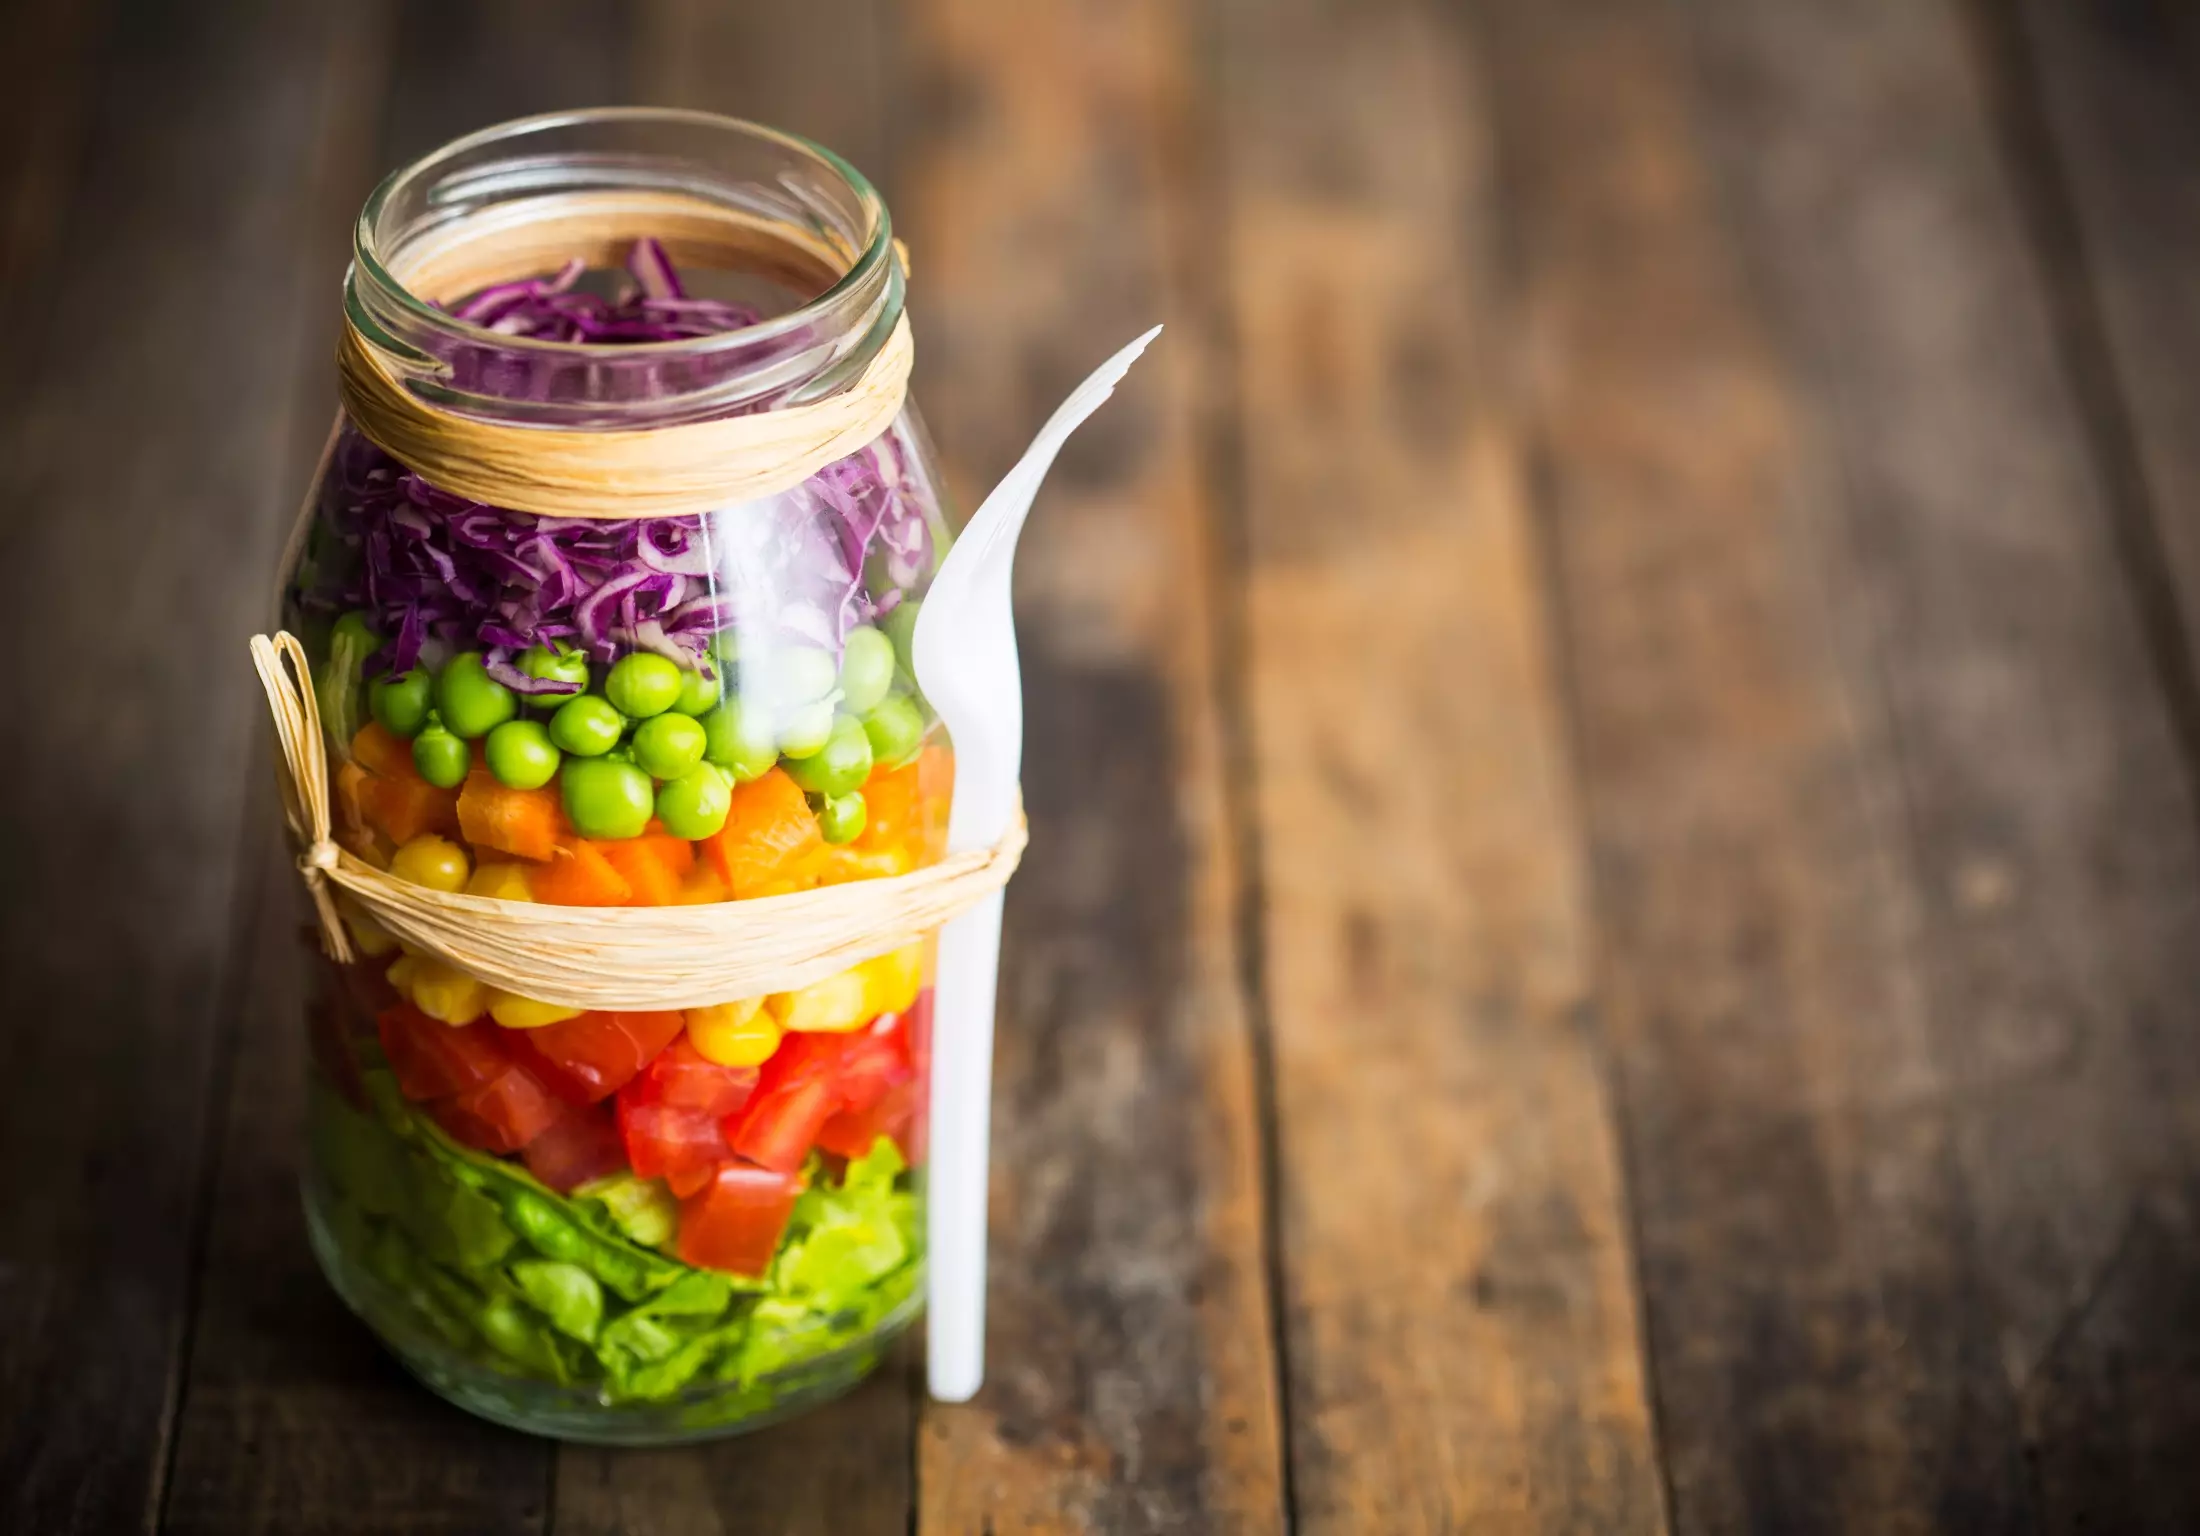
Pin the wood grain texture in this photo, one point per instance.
(1044, 186)
(1461, 1334)
(43, 122)
(1800, 1228)
(2104, 109)
(141, 459)
(1893, 845)
(2049, 814)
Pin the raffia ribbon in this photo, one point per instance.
(667, 471)
(623, 957)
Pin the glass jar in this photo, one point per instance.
(646, 1226)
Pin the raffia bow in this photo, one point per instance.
(582, 957)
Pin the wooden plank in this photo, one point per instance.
(2050, 812)
(1045, 190)
(1461, 1331)
(1795, 1204)
(293, 1417)
(144, 434)
(42, 121)
(2102, 119)
(1895, 871)
(2100, 127)
(843, 1469)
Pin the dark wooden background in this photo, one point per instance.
(1613, 936)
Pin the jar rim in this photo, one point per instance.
(875, 252)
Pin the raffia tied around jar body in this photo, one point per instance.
(677, 957)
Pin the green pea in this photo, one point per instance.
(797, 674)
(841, 817)
(471, 702)
(896, 729)
(339, 682)
(587, 726)
(441, 757)
(354, 634)
(740, 740)
(866, 668)
(401, 703)
(698, 694)
(521, 754)
(803, 732)
(695, 804)
(668, 745)
(841, 765)
(559, 664)
(605, 797)
(901, 628)
(642, 685)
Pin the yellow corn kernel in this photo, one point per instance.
(369, 937)
(734, 1034)
(516, 1012)
(504, 882)
(831, 1006)
(401, 973)
(445, 992)
(891, 981)
(435, 862)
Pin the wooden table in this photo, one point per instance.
(1613, 935)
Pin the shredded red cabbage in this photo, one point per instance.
(432, 565)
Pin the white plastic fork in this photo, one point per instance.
(964, 653)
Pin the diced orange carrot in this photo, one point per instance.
(769, 839)
(676, 853)
(936, 789)
(703, 884)
(893, 809)
(351, 806)
(578, 875)
(379, 752)
(403, 809)
(526, 822)
(648, 865)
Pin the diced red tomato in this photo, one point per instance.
(881, 1089)
(672, 1115)
(503, 1114)
(734, 1221)
(684, 1147)
(918, 1024)
(874, 1060)
(683, 1077)
(432, 1059)
(898, 1113)
(581, 1145)
(597, 1054)
(797, 1092)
